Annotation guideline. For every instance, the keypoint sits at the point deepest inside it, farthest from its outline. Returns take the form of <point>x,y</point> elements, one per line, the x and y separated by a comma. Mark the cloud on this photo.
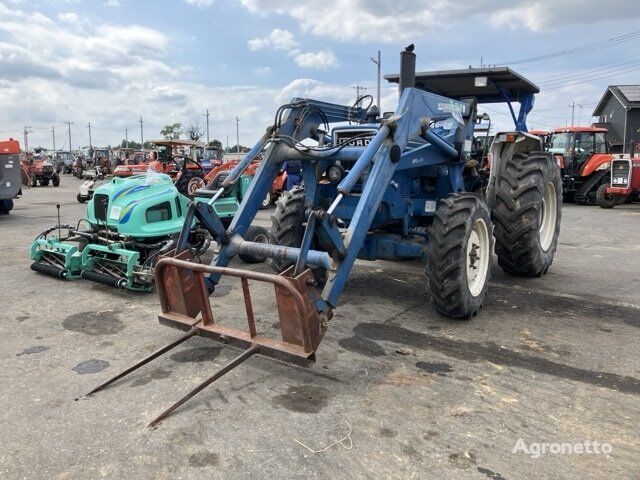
<point>406,20</point>
<point>200,3</point>
<point>112,3</point>
<point>71,18</point>
<point>317,60</point>
<point>277,40</point>
<point>284,40</point>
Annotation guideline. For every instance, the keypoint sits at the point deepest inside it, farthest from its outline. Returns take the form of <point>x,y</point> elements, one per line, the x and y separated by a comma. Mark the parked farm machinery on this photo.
<point>374,188</point>
<point>623,185</point>
<point>582,153</point>
<point>10,174</point>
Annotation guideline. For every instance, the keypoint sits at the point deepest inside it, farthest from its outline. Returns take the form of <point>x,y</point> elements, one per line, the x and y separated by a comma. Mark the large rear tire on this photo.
<point>459,255</point>
<point>527,214</point>
<point>266,202</point>
<point>287,229</point>
<point>604,199</point>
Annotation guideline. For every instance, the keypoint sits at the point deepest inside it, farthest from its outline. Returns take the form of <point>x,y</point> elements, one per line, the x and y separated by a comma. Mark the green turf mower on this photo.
<point>130,223</point>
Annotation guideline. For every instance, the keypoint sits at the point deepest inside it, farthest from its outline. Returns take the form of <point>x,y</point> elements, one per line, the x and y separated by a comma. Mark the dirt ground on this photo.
<point>414,395</point>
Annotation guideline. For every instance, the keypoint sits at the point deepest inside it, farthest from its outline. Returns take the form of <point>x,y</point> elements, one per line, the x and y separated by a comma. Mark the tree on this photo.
<point>234,149</point>
<point>132,144</point>
<point>215,144</point>
<point>194,131</point>
<point>172,131</point>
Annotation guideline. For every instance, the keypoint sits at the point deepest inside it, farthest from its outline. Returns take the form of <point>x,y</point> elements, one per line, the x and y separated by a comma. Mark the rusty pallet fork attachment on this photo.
<point>185,304</point>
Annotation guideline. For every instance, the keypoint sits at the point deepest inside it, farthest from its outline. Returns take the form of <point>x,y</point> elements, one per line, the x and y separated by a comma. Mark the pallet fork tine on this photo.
<point>224,370</point>
<point>144,361</point>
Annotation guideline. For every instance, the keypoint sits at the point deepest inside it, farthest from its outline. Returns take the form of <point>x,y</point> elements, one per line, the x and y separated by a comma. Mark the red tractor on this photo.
<point>582,153</point>
<point>40,170</point>
<point>624,184</point>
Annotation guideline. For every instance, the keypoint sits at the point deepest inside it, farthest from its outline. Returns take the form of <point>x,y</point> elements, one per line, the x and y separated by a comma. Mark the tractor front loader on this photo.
<point>389,188</point>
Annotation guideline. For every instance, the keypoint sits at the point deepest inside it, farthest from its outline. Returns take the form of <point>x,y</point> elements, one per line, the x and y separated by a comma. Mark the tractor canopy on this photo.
<point>141,206</point>
<point>485,85</point>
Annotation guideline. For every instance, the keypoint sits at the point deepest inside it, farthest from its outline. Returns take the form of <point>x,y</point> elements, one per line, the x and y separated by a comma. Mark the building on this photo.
<point>619,112</point>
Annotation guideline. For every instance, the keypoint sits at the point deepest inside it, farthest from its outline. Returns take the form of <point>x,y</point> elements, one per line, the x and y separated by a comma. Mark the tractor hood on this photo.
<point>142,206</point>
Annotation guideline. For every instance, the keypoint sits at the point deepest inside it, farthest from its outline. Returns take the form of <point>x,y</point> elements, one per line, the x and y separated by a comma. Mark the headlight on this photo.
<point>604,166</point>
<point>335,173</point>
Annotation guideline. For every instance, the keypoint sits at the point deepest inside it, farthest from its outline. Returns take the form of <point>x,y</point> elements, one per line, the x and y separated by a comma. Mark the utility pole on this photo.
<point>141,135</point>
<point>227,143</point>
<point>126,137</point>
<point>237,136</point>
<point>69,127</point>
<point>573,112</point>
<point>357,88</point>
<point>26,137</point>
<point>378,62</point>
<point>207,115</point>
<point>90,144</point>
<point>53,137</point>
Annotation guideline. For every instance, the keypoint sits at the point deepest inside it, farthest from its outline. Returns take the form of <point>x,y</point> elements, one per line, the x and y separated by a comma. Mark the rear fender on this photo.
<point>504,146</point>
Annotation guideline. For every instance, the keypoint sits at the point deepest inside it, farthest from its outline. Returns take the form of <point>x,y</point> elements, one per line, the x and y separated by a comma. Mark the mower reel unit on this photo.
<point>388,188</point>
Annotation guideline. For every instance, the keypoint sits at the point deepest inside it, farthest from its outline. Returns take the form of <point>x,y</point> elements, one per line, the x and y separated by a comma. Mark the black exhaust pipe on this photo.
<point>407,69</point>
<point>104,279</point>
<point>49,270</point>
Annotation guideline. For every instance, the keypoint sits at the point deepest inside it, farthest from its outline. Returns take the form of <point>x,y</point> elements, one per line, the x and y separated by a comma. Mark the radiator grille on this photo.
<point>620,173</point>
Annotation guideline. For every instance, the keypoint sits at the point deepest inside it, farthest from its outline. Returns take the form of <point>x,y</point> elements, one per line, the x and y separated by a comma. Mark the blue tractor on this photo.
<point>400,186</point>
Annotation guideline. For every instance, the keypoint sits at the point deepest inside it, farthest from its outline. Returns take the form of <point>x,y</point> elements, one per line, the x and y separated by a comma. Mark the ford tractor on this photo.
<point>391,188</point>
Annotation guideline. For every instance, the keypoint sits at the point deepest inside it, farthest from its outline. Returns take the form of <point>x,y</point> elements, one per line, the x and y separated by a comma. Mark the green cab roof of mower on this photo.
<point>140,206</point>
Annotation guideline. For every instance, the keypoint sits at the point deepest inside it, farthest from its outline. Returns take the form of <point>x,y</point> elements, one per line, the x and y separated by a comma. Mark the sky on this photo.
<point>110,62</point>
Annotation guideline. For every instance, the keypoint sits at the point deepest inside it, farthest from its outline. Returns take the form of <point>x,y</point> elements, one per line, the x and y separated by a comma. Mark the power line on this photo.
<point>588,80</point>
<point>603,67</point>
<point>578,50</point>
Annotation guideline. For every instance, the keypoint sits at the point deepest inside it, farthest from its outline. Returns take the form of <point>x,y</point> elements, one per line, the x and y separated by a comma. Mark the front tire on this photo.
<point>604,199</point>
<point>527,214</point>
<point>459,255</point>
<point>195,184</point>
<point>258,235</point>
<point>288,223</point>
<point>56,180</point>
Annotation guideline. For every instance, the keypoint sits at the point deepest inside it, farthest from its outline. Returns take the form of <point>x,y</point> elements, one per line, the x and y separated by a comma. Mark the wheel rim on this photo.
<point>261,238</point>
<point>194,185</point>
<point>548,216</point>
<point>478,255</point>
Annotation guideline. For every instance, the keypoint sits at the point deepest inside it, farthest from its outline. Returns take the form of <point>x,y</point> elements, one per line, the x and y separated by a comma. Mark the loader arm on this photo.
<point>374,167</point>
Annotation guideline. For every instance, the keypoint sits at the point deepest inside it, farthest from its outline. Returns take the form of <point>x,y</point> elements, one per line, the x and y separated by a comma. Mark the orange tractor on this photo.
<point>582,153</point>
<point>40,170</point>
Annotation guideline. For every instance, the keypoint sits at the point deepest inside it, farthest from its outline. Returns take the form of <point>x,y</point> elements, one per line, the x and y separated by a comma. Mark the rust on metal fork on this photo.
<point>185,305</point>
<point>183,296</point>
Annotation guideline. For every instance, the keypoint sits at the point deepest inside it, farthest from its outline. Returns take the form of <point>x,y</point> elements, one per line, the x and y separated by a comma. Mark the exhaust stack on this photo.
<point>407,68</point>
